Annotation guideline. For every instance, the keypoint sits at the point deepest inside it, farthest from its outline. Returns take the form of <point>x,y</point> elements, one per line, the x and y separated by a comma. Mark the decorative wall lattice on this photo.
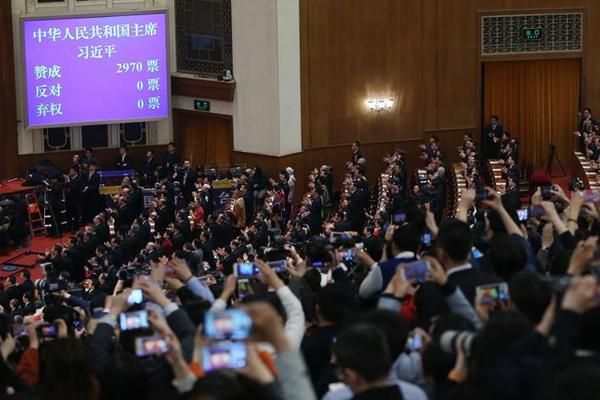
<point>203,35</point>
<point>534,33</point>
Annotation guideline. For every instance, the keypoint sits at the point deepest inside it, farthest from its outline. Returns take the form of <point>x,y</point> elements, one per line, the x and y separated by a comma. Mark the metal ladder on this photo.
<point>37,226</point>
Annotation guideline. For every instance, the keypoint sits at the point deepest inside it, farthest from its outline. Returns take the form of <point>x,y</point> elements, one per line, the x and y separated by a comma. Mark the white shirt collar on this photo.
<point>458,268</point>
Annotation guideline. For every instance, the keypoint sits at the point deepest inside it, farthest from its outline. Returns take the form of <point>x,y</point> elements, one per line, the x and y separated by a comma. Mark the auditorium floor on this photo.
<point>37,245</point>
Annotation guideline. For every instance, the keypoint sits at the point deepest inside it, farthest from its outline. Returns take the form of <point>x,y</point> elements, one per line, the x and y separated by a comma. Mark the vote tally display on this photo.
<point>95,69</point>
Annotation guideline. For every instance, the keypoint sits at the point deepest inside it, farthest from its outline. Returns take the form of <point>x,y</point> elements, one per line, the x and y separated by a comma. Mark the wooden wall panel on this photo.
<point>425,52</point>
<point>203,138</point>
<point>9,165</point>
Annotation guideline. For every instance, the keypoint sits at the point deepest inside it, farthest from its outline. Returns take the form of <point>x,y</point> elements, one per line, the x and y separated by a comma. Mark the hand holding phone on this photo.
<point>47,330</point>
<point>523,214</point>
<point>228,355</point>
<point>233,324</point>
<point>277,265</point>
<point>135,297</point>
<point>414,342</point>
<point>243,288</point>
<point>150,345</point>
<point>246,270</point>
<point>416,271</point>
<point>133,320</point>
<point>492,294</point>
<point>347,255</point>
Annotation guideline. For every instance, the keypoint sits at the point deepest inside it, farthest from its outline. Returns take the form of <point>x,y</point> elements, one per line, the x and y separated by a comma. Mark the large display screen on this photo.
<point>96,69</point>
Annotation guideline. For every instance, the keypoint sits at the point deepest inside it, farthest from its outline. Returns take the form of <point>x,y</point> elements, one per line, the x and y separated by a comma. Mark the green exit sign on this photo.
<point>201,105</point>
<point>533,33</point>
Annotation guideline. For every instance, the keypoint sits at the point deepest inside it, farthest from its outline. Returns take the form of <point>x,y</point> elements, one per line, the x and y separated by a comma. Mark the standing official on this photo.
<point>125,161</point>
<point>91,192</point>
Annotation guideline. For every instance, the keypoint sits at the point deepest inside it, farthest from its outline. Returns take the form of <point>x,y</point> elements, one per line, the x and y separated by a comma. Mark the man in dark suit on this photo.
<point>101,229</point>
<point>512,169</point>
<point>491,137</point>
<point>359,200</point>
<point>187,178</point>
<point>27,284</point>
<point>171,158</point>
<point>453,245</point>
<point>356,153</point>
<point>586,123</point>
<point>13,291</point>
<point>91,192</point>
<point>164,217</point>
<point>73,198</point>
<point>148,169</point>
<point>315,218</point>
<point>125,161</point>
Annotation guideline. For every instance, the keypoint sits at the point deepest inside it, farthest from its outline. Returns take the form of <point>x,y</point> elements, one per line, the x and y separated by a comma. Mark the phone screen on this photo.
<point>492,294</point>
<point>243,288</point>
<point>399,218</point>
<point>224,355</point>
<point>347,255</point>
<point>426,239</point>
<point>48,330</point>
<point>134,320</point>
<point>232,324</point>
<point>417,271</point>
<point>135,297</point>
<point>319,264</point>
<point>414,341</point>
<point>523,214</point>
<point>149,345</point>
<point>246,270</point>
<point>278,265</point>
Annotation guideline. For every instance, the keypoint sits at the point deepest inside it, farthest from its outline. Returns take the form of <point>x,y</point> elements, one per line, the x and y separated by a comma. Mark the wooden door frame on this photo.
<point>177,138</point>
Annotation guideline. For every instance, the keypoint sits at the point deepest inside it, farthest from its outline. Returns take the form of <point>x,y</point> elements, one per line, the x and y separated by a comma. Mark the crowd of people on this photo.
<point>340,290</point>
<point>589,141</point>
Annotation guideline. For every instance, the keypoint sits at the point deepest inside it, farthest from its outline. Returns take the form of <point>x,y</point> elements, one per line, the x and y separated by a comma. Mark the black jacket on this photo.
<point>125,162</point>
<point>467,280</point>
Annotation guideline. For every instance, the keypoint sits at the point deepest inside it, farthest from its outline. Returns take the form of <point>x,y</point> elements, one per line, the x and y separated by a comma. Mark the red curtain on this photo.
<point>537,102</point>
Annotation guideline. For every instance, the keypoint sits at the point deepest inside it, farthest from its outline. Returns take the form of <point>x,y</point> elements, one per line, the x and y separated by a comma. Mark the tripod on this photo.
<point>551,156</point>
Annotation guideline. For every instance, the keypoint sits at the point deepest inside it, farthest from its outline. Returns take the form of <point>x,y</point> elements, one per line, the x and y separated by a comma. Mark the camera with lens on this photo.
<point>559,284</point>
<point>449,340</point>
<point>49,285</point>
<point>576,185</point>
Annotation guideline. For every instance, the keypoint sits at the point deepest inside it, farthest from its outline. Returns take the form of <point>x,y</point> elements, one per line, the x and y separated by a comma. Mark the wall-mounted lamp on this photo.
<point>380,104</point>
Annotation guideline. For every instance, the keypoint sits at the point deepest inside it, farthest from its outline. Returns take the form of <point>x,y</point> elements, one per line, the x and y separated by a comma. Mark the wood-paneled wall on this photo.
<point>424,53</point>
<point>8,104</point>
<point>203,138</point>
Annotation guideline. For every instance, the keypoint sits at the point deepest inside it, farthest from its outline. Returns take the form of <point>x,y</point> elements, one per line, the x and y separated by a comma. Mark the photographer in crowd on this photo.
<point>365,292</point>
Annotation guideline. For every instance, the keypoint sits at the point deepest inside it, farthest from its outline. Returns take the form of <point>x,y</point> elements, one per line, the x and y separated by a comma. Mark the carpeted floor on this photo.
<point>16,259</point>
<point>558,179</point>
